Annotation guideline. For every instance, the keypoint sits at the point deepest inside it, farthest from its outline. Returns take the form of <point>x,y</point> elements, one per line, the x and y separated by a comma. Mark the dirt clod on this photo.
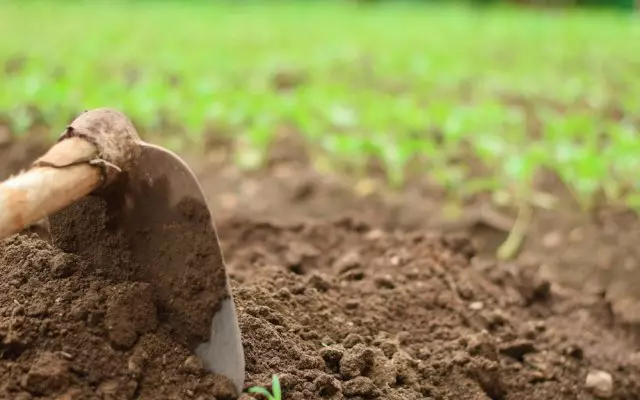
<point>361,386</point>
<point>352,340</point>
<point>518,349</point>
<point>355,361</point>
<point>327,386</point>
<point>332,357</point>
<point>48,374</point>
<point>347,262</point>
<point>130,313</point>
<point>193,365</point>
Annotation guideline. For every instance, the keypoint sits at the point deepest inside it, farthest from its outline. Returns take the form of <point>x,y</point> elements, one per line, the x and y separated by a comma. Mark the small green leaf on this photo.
<point>262,391</point>
<point>277,391</point>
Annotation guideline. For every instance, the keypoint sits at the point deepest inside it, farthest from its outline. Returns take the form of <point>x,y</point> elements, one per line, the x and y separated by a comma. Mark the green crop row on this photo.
<point>515,90</point>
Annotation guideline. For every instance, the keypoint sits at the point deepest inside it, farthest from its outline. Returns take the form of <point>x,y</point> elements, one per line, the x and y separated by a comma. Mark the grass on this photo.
<point>518,91</point>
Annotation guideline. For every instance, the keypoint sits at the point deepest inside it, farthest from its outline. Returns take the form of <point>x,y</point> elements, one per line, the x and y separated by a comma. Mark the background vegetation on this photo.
<point>417,86</point>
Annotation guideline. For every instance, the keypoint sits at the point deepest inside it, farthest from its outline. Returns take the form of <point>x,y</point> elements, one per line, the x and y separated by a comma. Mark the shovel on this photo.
<point>135,210</point>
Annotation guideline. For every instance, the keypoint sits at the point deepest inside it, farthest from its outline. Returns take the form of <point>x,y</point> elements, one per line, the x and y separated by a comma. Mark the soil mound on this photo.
<point>67,332</point>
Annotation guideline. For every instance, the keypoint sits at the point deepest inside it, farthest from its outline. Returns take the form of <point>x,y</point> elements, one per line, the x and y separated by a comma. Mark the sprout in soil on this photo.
<point>275,385</point>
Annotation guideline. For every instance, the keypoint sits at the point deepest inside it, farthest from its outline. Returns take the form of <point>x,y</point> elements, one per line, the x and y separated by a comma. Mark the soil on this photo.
<point>69,333</point>
<point>346,294</point>
<point>16,155</point>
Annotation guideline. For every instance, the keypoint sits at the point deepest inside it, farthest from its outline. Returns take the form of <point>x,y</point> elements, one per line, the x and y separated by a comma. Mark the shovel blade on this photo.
<point>155,225</point>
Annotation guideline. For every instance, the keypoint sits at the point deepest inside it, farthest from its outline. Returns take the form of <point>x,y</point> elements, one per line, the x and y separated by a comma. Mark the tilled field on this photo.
<point>343,297</point>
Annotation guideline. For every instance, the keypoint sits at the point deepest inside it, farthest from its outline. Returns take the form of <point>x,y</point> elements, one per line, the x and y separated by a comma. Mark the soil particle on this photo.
<point>332,357</point>
<point>193,365</point>
<point>361,386</point>
<point>356,361</point>
<point>347,262</point>
<point>48,374</point>
<point>352,339</point>
<point>327,386</point>
<point>600,383</point>
<point>130,313</point>
<point>518,349</point>
<point>487,374</point>
<point>319,282</point>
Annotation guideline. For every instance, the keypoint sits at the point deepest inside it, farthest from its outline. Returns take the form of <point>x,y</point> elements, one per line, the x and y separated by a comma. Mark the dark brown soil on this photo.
<point>16,154</point>
<point>70,331</point>
<point>377,304</point>
<point>347,309</point>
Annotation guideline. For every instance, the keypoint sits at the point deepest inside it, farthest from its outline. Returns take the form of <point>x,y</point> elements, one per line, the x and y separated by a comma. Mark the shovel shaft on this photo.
<point>47,188</point>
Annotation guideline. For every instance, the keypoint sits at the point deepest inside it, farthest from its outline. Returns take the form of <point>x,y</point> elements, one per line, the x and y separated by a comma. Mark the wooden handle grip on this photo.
<point>61,177</point>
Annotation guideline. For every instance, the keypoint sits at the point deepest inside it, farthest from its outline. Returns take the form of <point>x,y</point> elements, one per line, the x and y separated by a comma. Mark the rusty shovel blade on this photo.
<point>154,225</point>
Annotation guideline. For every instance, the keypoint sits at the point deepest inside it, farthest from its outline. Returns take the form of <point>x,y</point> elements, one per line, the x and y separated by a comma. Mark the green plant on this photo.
<point>275,387</point>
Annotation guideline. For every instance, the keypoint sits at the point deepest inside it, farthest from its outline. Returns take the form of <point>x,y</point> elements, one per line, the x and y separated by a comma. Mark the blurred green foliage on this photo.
<point>425,86</point>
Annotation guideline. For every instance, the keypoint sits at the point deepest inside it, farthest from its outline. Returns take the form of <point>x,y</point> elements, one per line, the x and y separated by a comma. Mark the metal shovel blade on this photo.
<point>154,225</point>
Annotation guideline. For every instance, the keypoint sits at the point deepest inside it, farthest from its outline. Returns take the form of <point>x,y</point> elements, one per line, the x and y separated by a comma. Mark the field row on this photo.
<point>516,90</point>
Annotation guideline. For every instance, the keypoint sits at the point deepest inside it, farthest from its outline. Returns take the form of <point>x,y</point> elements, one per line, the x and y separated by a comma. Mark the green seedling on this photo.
<point>275,387</point>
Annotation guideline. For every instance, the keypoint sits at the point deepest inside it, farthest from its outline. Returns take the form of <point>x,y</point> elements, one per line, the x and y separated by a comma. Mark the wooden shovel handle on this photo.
<point>59,178</point>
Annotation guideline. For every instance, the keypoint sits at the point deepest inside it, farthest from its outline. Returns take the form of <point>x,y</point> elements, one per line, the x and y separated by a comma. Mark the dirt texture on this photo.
<point>349,311</point>
<point>137,234</point>
<point>72,331</point>
<point>344,295</point>
<point>595,253</point>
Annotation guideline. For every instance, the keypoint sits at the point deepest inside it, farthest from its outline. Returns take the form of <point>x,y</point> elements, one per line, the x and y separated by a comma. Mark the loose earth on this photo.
<point>339,308</point>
